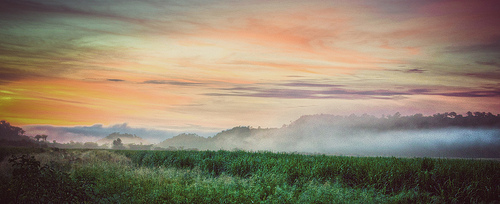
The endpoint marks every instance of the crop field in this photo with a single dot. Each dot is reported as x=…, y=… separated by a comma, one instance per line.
x=33, y=175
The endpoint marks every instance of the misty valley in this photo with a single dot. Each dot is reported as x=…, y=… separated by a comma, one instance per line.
x=196, y=101
x=443, y=158
x=474, y=135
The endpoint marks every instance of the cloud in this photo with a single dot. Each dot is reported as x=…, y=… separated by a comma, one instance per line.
x=369, y=93
x=206, y=47
x=327, y=92
x=308, y=94
x=493, y=75
x=23, y=6
x=303, y=84
x=115, y=80
x=63, y=100
x=473, y=94
x=171, y=82
x=51, y=54
x=415, y=71
x=27, y=8
x=485, y=92
x=419, y=91
x=489, y=47
x=8, y=75
x=489, y=63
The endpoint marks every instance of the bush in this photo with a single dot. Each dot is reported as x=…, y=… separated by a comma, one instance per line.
x=33, y=183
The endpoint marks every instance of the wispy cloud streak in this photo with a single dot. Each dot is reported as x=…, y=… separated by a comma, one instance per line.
x=343, y=93
x=171, y=82
x=67, y=62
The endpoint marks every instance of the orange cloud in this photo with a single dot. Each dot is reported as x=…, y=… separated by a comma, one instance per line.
x=285, y=36
x=68, y=102
x=138, y=69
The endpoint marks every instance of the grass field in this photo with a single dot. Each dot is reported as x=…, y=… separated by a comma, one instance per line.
x=126, y=176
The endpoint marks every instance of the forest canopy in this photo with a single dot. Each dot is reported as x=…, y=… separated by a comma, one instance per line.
x=397, y=121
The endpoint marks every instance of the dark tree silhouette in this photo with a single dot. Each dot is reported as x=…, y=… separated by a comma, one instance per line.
x=13, y=136
x=397, y=121
x=10, y=132
x=117, y=144
x=453, y=115
x=91, y=145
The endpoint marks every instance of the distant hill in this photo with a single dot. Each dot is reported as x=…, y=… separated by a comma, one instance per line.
x=399, y=122
x=237, y=137
x=125, y=137
x=185, y=140
x=240, y=138
x=440, y=135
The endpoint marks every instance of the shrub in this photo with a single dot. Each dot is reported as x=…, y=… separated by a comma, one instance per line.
x=33, y=183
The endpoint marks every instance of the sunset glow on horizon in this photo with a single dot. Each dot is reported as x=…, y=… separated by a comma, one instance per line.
x=212, y=65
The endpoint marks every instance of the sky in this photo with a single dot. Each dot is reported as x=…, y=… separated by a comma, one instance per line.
x=205, y=66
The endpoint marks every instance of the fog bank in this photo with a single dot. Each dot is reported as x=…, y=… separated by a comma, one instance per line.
x=448, y=142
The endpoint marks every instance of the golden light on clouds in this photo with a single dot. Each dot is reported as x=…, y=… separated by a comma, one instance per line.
x=214, y=65
x=74, y=101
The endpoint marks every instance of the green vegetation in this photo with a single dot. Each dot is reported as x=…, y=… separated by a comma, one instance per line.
x=126, y=176
x=33, y=183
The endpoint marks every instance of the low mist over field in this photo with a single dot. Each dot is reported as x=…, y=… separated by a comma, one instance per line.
x=446, y=142
x=437, y=136
x=433, y=136
x=475, y=135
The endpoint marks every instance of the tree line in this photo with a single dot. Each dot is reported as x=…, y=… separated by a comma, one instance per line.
x=15, y=136
x=397, y=121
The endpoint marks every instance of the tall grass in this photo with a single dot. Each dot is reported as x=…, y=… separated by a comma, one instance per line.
x=452, y=180
x=123, y=176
